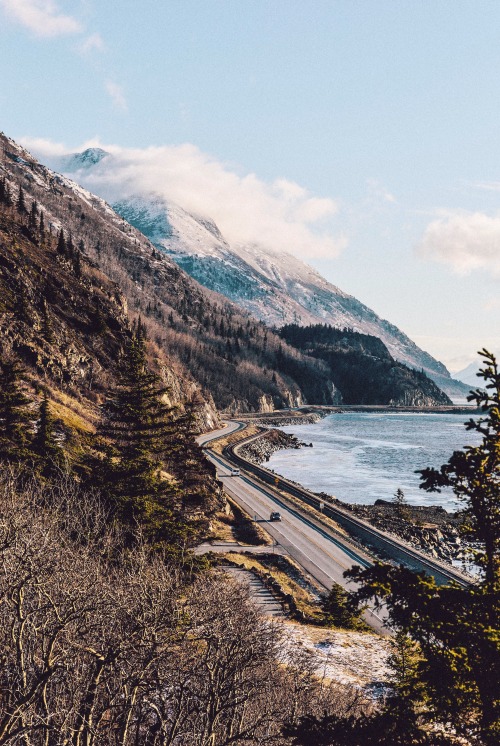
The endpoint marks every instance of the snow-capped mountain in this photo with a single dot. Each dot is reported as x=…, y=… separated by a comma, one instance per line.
x=276, y=287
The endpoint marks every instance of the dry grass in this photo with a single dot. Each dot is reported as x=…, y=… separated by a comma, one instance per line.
x=305, y=600
x=222, y=527
x=230, y=440
x=70, y=418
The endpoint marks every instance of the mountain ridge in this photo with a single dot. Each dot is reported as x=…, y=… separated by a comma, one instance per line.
x=274, y=287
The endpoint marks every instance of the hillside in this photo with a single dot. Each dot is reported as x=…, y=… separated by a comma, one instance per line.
x=237, y=362
x=273, y=286
x=362, y=368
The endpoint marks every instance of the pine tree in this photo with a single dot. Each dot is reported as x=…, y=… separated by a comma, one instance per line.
x=33, y=217
x=21, y=203
x=44, y=445
x=41, y=227
x=15, y=413
x=137, y=425
x=399, y=501
x=61, y=244
x=185, y=456
x=5, y=197
x=339, y=609
x=457, y=627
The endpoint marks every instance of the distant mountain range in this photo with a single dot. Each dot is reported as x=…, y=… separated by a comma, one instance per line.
x=273, y=286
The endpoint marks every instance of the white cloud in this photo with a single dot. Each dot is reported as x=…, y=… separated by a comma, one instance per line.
x=93, y=43
x=281, y=215
x=41, y=17
x=117, y=95
x=464, y=241
x=46, y=148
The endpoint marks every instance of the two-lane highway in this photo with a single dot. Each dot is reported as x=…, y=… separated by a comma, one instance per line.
x=319, y=553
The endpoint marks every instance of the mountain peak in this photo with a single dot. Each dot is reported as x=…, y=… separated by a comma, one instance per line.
x=86, y=159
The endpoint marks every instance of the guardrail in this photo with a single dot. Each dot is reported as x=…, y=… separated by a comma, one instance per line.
x=390, y=546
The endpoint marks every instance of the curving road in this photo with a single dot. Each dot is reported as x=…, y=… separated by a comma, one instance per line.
x=321, y=555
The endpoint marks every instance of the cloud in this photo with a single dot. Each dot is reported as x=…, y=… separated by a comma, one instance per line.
x=117, y=95
x=464, y=241
x=379, y=192
x=42, y=147
x=41, y=17
x=280, y=214
x=93, y=43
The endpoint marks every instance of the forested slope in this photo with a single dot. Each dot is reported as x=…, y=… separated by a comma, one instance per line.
x=362, y=368
x=236, y=360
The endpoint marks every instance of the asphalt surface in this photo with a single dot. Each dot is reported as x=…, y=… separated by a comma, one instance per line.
x=316, y=552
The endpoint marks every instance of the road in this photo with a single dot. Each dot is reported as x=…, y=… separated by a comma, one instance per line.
x=319, y=554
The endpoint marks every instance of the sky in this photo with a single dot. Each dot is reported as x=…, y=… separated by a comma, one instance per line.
x=359, y=134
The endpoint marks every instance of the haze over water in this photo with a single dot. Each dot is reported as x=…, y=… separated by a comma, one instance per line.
x=360, y=457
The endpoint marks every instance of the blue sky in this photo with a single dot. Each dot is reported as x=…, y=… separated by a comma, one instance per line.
x=362, y=132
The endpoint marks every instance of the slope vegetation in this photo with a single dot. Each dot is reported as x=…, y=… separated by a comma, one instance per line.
x=362, y=368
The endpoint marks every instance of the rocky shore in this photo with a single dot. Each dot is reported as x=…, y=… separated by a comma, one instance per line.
x=429, y=528
x=284, y=420
x=261, y=449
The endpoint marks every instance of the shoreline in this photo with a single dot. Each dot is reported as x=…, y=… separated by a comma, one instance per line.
x=430, y=528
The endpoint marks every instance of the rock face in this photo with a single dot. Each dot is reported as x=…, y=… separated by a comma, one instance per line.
x=261, y=449
x=429, y=528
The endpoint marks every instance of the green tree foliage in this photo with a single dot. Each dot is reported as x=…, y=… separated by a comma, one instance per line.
x=61, y=248
x=401, y=506
x=185, y=456
x=5, y=195
x=21, y=202
x=15, y=413
x=33, y=217
x=457, y=627
x=339, y=609
x=136, y=428
x=49, y=454
x=361, y=367
x=474, y=475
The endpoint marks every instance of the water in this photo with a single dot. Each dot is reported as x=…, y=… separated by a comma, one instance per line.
x=362, y=456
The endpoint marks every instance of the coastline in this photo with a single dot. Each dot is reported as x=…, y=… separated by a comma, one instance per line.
x=428, y=528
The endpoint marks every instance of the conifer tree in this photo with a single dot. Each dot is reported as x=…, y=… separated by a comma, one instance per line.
x=5, y=197
x=21, y=203
x=44, y=445
x=399, y=501
x=457, y=627
x=41, y=228
x=185, y=456
x=15, y=413
x=61, y=244
x=137, y=426
x=33, y=217
x=339, y=609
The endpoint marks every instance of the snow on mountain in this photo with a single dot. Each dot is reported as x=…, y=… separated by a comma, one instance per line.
x=276, y=287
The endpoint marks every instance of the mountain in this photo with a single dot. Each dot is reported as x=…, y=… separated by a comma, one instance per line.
x=469, y=375
x=273, y=286
x=362, y=368
x=208, y=344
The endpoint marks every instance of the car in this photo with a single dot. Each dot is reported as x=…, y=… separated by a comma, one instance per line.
x=235, y=472
x=275, y=516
